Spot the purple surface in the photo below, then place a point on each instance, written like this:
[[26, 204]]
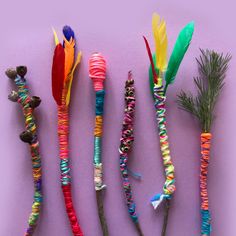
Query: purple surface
[[114, 28]]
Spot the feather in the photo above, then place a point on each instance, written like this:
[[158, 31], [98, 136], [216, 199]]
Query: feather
[[161, 43], [151, 82], [151, 60], [58, 68], [180, 48], [78, 59], [55, 36], [69, 47]]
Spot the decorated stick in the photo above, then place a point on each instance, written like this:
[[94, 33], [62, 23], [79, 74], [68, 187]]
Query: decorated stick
[[212, 67], [126, 142], [159, 70], [97, 72], [29, 136], [62, 75]]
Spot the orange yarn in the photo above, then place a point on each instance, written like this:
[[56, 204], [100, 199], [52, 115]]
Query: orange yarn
[[205, 157], [98, 126]]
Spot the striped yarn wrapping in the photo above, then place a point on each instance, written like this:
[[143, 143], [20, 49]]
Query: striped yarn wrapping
[[169, 185]]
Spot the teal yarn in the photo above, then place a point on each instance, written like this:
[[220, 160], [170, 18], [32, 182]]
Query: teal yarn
[[99, 102], [97, 150], [206, 222], [65, 172]]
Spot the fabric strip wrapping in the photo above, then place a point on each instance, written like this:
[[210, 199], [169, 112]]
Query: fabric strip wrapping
[[169, 185], [126, 142]]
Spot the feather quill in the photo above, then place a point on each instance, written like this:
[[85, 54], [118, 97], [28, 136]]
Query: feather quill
[[180, 48], [161, 42], [58, 68]]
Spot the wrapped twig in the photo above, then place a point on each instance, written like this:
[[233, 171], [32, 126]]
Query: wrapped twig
[[126, 142], [97, 72], [29, 136], [212, 68], [159, 71], [62, 75]]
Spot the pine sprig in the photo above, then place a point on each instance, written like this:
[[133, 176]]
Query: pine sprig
[[212, 68]]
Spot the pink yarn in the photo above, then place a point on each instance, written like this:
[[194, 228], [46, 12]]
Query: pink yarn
[[97, 70]]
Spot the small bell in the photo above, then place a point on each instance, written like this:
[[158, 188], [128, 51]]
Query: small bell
[[21, 71], [11, 73], [13, 96], [26, 136], [35, 101]]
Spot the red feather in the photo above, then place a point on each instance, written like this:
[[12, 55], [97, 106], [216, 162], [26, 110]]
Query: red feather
[[58, 73], [151, 60]]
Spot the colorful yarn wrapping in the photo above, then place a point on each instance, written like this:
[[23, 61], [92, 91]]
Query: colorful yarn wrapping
[[97, 72], [169, 186], [98, 141], [62, 76], [205, 157], [126, 142], [24, 99]]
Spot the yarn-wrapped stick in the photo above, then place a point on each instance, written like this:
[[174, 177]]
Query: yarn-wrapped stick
[[97, 72], [62, 75], [212, 67], [126, 142], [159, 71], [29, 136]]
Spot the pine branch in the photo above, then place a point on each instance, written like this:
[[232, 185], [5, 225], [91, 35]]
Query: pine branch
[[212, 68], [186, 102]]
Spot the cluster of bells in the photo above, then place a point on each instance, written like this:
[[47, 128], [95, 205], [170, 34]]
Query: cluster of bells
[[20, 71]]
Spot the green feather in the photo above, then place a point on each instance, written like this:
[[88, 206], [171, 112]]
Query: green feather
[[151, 82], [180, 48]]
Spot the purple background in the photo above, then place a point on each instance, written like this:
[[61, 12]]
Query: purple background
[[115, 28]]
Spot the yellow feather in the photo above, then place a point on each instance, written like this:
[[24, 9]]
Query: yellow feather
[[55, 36], [78, 59], [161, 43]]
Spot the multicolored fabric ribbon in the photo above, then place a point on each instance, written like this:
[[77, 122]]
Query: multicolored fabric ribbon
[[97, 72], [126, 142], [29, 136], [169, 186], [62, 75]]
